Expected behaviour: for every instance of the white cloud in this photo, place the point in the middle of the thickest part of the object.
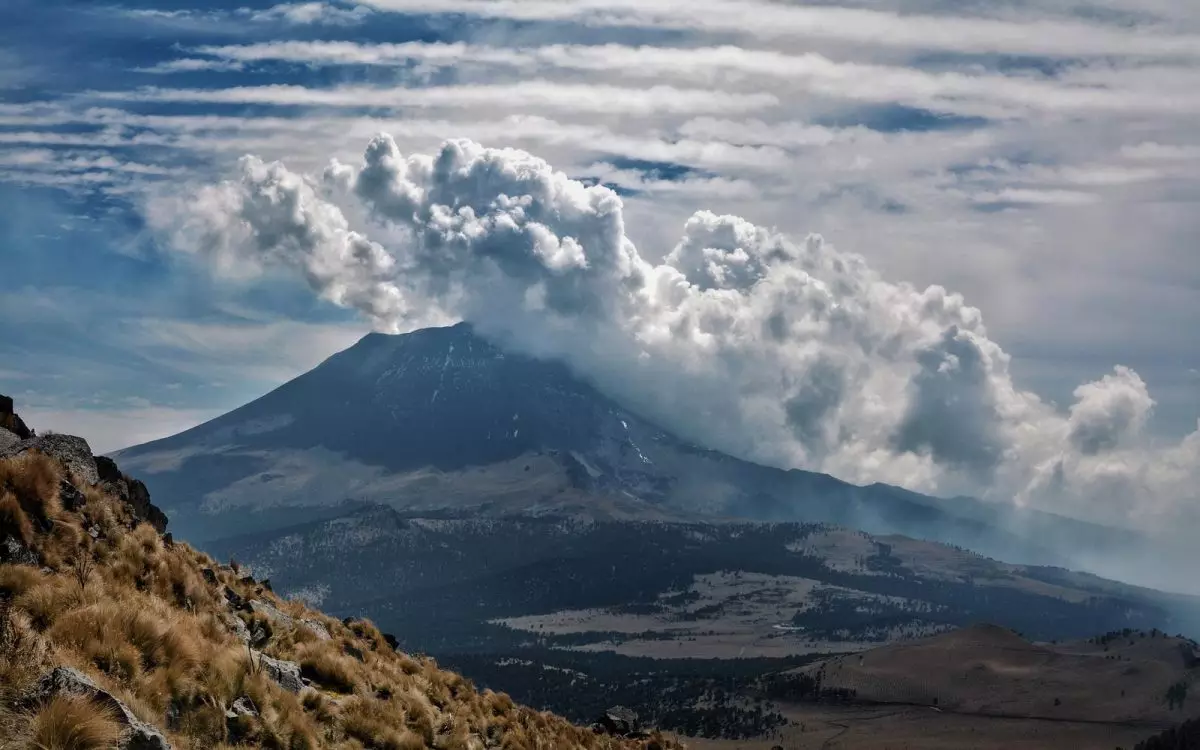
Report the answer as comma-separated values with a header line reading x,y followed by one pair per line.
x,y
312,13
535,94
803,355
1037,197
1056,37
980,94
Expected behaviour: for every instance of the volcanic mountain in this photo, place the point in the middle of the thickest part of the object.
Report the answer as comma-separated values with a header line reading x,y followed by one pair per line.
x,y
443,421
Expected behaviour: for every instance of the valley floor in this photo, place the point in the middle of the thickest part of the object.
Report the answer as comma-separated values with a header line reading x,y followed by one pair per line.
x,y
816,727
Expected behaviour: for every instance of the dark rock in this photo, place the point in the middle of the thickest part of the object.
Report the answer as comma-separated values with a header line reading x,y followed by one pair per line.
x,y
169,539
210,576
137,734
286,674
11,422
13,550
234,599
174,714
391,641
139,500
69,497
107,470
266,584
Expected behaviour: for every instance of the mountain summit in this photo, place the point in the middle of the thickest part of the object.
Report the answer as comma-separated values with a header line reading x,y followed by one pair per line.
x,y
442,420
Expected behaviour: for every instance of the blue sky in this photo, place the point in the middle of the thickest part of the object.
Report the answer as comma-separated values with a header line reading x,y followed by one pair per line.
x,y
1039,158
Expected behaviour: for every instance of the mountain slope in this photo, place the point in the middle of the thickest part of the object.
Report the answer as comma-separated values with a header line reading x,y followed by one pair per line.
x,y
675,588
114,635
442,420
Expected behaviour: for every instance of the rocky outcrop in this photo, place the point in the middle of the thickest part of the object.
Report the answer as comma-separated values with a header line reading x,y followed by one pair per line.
x,y
137,734
72,452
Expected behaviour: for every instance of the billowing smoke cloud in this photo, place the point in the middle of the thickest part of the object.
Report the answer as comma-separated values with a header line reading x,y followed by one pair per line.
x,y
786,352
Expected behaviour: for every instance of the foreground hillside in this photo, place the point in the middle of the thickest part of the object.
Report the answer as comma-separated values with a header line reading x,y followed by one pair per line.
x,y
114,635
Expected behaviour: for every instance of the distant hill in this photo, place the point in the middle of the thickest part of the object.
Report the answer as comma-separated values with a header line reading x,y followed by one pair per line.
x,y
989,688
441,420
1122,676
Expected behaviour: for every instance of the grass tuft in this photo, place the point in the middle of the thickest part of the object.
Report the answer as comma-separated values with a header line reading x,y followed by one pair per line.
x,y
74,723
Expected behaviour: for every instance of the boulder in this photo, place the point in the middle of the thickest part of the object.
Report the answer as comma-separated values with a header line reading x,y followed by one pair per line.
x,y
618,721
271,612
137,734
72,452
318,629
286,674
210,576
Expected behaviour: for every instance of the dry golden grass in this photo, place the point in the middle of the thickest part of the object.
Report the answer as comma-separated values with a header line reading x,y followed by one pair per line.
x,y
139,618
73,723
